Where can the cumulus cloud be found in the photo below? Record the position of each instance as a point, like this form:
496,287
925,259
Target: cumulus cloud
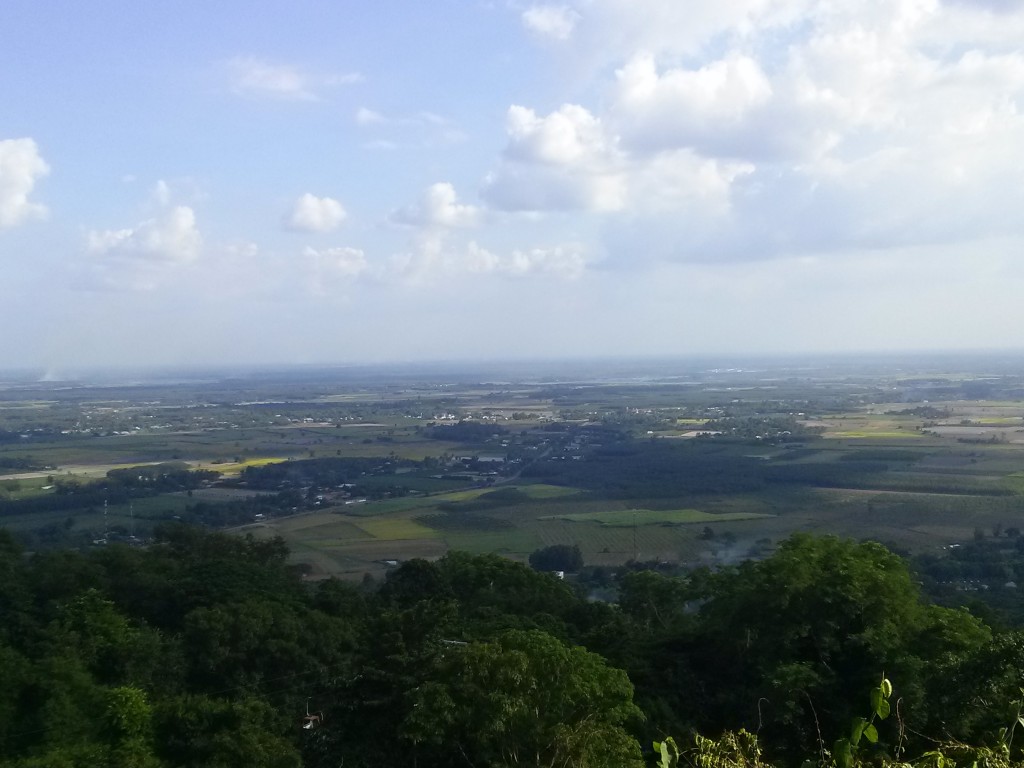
569,135
21,166
315,214
745,129
613,31
682,107
437,207
172,239
552,21
562,161
139,257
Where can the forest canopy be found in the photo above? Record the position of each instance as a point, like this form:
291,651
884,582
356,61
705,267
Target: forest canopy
206,649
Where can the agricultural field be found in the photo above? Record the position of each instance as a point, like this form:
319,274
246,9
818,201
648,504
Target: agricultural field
424,462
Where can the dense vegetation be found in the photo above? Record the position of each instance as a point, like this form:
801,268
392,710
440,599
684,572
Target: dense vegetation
209,650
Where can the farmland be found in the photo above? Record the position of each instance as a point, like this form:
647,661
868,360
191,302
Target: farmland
688,463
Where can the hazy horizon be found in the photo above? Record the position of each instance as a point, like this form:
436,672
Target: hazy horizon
564,369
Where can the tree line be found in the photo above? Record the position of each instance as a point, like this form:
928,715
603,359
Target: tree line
210,650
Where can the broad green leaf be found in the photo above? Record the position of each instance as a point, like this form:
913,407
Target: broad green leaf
883,709
857,730
871,733
843,754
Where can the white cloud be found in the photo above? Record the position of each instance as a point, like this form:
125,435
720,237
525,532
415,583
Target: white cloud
564,261
21,166
553,21
434,258
315,214
438,207
430,124
563,161
614,31
140,257
171,239
162,193
251,76
366,116
753,129
569,135
680,107
342,262
333,269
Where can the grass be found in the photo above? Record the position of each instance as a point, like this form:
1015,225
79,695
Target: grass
24,488
394,528
544,491
1015,482
857,434
630,517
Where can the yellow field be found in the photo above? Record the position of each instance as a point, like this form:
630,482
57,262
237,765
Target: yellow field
234,467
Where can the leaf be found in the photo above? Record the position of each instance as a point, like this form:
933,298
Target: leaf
843,754
871,733
883,709
886,688
662,748
857,730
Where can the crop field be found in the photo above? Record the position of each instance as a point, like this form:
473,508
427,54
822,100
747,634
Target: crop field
630,517
234,467
395,528
917,461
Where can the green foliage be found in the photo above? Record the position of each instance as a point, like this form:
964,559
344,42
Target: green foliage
204,649
525,696
557,557
846,750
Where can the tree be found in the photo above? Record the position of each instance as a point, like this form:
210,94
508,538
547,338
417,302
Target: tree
525,699
822,616
557,557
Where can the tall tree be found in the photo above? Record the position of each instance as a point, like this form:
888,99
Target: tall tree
524,699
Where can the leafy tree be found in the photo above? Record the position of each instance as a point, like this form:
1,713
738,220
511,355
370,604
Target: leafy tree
203,732
653,600
525,699
557,557
820,617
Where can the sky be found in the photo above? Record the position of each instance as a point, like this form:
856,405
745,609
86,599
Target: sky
321,181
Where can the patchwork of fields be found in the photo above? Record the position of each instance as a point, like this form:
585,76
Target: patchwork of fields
915,473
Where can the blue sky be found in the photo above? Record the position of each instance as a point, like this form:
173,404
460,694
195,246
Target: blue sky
271,182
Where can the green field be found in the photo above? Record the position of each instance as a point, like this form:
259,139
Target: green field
629,517
930,468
